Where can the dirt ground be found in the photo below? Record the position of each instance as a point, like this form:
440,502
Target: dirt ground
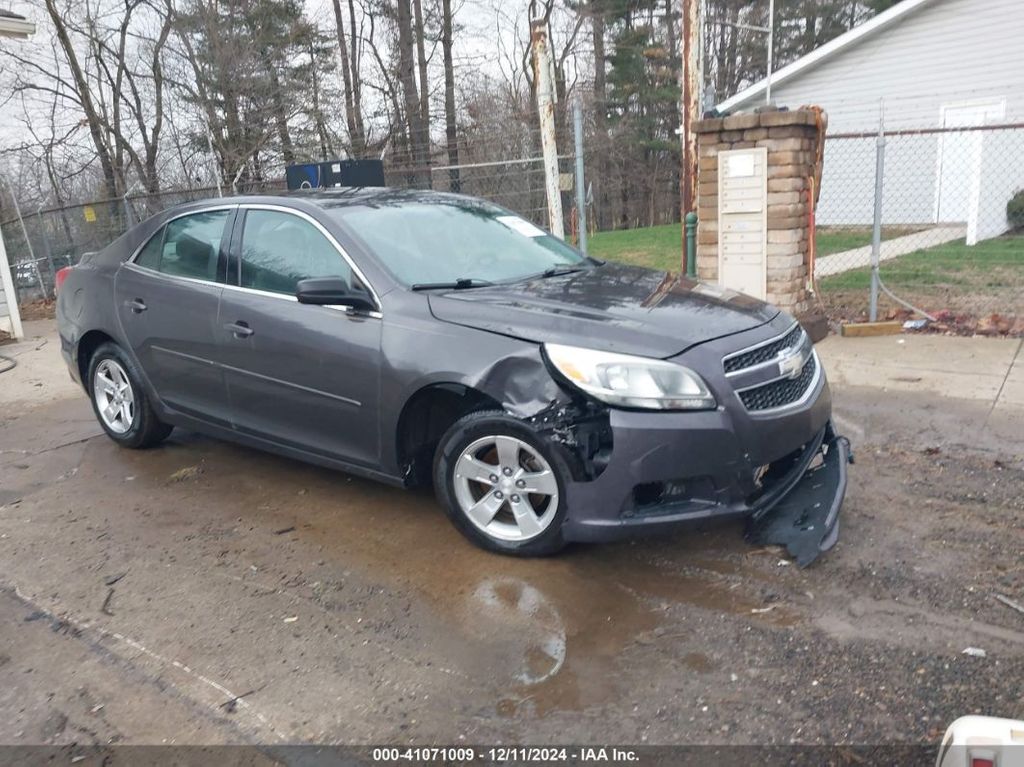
41,309
205,593
967,317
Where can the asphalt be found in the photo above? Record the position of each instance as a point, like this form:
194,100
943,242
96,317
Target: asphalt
204,593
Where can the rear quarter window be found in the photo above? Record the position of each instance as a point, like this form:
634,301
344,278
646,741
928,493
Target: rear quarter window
149,256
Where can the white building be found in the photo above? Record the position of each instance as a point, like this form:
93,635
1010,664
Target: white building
11,25
928,65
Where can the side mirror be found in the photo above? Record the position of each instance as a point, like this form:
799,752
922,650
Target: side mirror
329,291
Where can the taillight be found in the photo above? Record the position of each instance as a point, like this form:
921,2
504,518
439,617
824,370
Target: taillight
979,761
62,274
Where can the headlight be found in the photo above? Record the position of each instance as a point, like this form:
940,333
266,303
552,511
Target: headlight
628,381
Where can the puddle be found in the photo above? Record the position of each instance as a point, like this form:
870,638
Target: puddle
524,631
533,635
521,625
555,640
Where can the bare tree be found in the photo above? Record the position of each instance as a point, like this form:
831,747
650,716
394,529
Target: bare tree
316,88
420,33
450,117
350,74
159,94
419,139
112,174
140,94
356,69
396,130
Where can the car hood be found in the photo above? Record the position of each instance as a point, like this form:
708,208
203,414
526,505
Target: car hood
615,308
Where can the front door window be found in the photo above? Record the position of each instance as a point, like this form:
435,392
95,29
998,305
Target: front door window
279,249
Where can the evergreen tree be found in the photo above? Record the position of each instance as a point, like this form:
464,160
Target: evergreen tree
643,104
249,64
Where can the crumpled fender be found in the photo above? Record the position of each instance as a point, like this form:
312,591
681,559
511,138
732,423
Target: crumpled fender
521,383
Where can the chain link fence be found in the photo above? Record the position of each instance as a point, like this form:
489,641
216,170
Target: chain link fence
949,203
951,245
39,243
516,184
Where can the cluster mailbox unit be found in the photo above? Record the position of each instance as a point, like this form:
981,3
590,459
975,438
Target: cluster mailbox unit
743,220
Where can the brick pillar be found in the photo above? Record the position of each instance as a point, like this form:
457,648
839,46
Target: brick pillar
792,141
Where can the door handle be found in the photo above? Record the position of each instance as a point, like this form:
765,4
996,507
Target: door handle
240,329
137,305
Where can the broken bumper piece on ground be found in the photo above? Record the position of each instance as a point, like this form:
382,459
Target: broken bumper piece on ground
806,519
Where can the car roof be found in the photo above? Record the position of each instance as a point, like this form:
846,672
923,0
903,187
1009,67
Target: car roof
337,197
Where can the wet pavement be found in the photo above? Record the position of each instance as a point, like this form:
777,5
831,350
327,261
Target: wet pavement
201,592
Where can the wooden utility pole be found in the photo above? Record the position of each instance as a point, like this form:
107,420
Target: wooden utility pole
543,70
690,105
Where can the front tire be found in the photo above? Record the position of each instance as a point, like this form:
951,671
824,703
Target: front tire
119,401
501,485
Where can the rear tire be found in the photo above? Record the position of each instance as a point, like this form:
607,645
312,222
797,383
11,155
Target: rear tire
501,485
120,402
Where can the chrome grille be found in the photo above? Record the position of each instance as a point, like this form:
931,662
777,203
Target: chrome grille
781,392
760,354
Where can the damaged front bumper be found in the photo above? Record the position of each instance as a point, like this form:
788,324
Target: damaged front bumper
805,519
786,475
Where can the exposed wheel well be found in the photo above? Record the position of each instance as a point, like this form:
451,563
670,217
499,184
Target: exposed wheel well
90,342
426,417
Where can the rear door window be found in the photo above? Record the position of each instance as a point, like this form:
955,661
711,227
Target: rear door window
190,246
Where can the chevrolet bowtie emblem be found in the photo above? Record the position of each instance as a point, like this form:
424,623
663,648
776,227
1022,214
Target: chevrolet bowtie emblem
792,365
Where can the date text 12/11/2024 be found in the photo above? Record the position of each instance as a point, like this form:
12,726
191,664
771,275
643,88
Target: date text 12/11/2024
506,754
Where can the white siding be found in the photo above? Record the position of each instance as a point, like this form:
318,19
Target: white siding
10,322
1002,175
5,322
848,181
944,53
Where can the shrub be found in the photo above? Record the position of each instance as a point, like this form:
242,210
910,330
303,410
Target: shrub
1015,210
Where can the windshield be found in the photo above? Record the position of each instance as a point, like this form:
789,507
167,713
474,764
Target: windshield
443,240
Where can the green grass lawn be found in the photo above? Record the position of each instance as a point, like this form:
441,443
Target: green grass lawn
661,247
995,264
835,240
983,278
657,247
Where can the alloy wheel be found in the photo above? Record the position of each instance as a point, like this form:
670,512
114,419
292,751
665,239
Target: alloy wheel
115,399
506,488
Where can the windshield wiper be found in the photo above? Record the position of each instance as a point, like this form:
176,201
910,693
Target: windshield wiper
560,269
463,283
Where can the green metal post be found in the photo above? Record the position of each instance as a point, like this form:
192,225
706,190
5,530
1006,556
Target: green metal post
691,244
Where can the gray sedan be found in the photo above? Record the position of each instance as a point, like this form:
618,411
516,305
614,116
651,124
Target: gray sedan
426,338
